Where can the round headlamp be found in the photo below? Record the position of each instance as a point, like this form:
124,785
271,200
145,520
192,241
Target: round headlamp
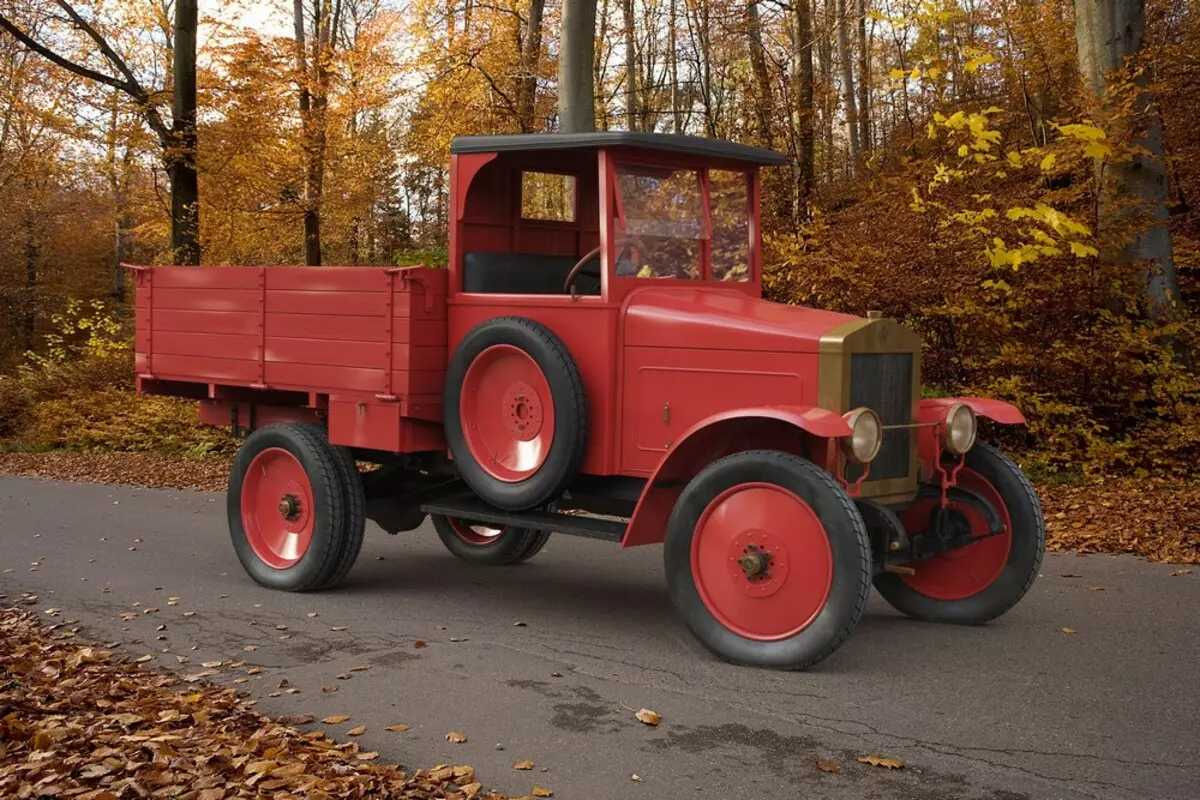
866,435
958,434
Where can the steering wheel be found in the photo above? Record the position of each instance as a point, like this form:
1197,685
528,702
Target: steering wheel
624,243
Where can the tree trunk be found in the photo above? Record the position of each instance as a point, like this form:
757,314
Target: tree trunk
828,96
531,51
805,141
673,66
864,77
758,63
32,256
1107,33
631,122
848,88
576,90
181,164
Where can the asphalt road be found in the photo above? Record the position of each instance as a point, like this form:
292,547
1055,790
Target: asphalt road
1016,709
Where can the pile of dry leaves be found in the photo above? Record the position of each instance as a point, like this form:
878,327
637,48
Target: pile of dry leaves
1152,519
1155,520
79,722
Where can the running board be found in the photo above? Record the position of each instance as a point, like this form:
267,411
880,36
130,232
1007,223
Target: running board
469,507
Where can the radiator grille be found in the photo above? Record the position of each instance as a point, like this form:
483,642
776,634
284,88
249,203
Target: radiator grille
883,383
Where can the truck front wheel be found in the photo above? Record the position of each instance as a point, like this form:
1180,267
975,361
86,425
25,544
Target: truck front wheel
975,584
767,560
480,543
295,508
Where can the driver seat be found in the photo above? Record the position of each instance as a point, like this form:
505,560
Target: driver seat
525,273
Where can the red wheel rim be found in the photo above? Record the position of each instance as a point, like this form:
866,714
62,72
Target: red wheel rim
507,413
790,571
967,571
277,508
475,533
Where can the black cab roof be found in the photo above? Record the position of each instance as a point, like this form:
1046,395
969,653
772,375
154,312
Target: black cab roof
691,145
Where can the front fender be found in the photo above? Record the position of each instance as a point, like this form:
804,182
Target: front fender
1005,413
792,429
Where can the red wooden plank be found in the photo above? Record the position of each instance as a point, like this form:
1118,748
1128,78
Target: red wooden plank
205,278
205,300
213,369
359,304
412,305
324,352
231,322
324,326
419,331
327,279
324,378
418,381
209,345
419,357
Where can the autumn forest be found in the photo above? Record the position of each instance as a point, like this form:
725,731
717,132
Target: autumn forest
1014,179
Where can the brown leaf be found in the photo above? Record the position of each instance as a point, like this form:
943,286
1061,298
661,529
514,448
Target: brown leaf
828,766
523,765
648,717
143,659
337,628
396,728
329,689
359,731
336,719
471,790
418,644
367,756
1177,573
296,719
455,737
211,664
542,791
1068,630
359,668
881,761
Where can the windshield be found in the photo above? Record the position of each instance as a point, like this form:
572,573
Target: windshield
666,229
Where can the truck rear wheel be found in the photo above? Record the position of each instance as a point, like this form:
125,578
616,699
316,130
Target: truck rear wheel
767,560
515,413
295,508
977,583
481,543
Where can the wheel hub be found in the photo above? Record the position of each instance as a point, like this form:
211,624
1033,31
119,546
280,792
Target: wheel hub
522,411
289,507
758,562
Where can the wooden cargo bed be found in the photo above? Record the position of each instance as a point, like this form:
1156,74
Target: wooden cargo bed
363,347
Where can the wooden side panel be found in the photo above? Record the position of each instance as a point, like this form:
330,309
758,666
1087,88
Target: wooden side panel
371,339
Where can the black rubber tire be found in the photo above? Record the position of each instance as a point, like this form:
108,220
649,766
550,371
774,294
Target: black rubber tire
355,519
570,413
1024,557
511,547
848,543
332,540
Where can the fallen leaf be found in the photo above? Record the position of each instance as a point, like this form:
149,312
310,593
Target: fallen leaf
254,670
523,765
336,719
455,737
1180,572
471,790
311,614
418,644
1068,630
635,777
359,668
520,625
542,791
211,664
329,689
359,731
828,766
336,628
396,728
881,761
648,717
367,756
250,647
296,719
143,659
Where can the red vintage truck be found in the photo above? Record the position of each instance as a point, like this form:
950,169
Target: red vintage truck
597,360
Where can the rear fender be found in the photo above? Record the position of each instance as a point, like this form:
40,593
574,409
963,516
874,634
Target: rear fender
931,412
802,430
